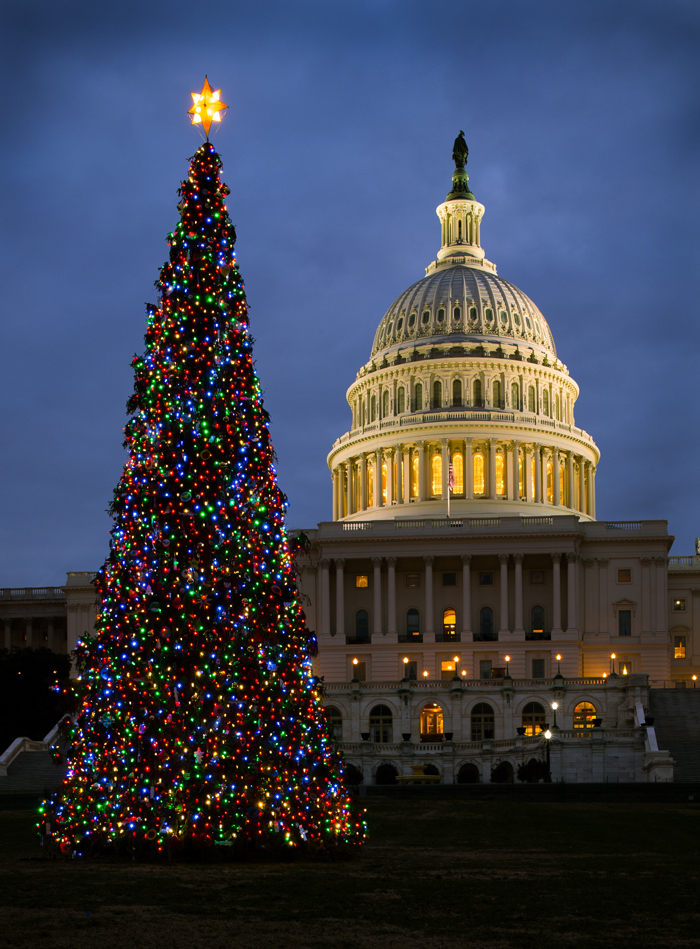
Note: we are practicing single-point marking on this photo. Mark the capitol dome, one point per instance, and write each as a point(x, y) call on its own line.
point(464, 408)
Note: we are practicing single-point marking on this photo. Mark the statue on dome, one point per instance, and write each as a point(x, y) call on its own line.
point(460, 152)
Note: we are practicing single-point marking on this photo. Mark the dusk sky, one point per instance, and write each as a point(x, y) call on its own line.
point(583, 124)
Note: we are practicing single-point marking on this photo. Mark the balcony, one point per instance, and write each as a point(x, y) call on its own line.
point(485, 637)
point(358, 640)
point(410, 637)
point(448, 636)
point(537, 634)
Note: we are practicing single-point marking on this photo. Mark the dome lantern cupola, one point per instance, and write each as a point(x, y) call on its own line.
point(460, 215)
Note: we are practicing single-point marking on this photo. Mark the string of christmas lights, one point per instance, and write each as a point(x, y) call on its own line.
point(200, 721)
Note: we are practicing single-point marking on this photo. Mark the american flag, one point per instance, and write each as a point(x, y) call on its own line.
point(451, 478)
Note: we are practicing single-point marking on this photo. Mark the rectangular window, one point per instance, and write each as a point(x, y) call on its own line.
point(625, 667)
point(486, 579)
point(485, 668)
point(679, 605)
point(359, 670)
point(411, 579)
point(538, 668)
point(410, 669)
point(679, 647)
point(448, 670)
point(624, 576)
point(537, 576)
point(361, 580)
point(449, 579)
point(624, 623)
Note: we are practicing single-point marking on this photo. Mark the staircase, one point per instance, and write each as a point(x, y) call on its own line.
point(29, 767)
point(677, 724)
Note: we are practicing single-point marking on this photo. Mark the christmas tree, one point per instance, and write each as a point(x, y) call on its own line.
point(199, 720)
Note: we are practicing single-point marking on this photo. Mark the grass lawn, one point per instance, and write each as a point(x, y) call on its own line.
point(435, 874)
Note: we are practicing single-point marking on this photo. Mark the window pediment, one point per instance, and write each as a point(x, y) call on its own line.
point(625, 605)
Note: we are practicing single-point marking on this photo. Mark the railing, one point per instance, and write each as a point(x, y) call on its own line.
point(444, 637)
point(358, 525)
point(534, 637)
point(31, 593)
point(623, 525)
point(409, 525)
point(485, 637)
point(537, 521)
point(444, 522)
point(445, 685)
point(485, 522)
point(358, 640)
point(410, 638)
point(684, 561)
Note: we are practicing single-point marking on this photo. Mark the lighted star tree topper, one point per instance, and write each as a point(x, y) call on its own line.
point(200, 722)
point(206, 107)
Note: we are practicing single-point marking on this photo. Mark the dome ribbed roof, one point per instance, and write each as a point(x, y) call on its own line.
point(463, 304)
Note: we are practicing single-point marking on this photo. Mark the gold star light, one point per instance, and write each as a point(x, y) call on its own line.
point(207, 107)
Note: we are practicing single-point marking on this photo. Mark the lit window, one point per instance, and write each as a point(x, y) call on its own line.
point(381, 723)
point(679, 605)
point(625, 668)
point(370, 486)
point(584, 715)
point(532, 479)
point(624, 576)
point(436, 469)
point(521, 476)
point(384, 481)
point(483, 720)
point(538, 669)
point(431, 723)
point(361, 580)
point(486, 579)
point(537, 618)
point(449, 624)
point(550, 483)
point(500, 474)
point(679, 647)
point(413, 624)
point(411, 579)
point(458, 473)
point(449, 579)
point(533, 717)
point(448, 670)
point(415, 476)
point(624, 622)
point(479, 482)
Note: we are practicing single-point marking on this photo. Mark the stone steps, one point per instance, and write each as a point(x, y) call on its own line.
point(677, 724)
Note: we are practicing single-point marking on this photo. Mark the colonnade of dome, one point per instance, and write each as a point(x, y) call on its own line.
point(463, 395)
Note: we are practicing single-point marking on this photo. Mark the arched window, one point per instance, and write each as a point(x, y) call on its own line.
point(370, 485)
point(483, 720)
point(562, 485)
point(533, 717)
point(436, 471)
point(458, 472)
point(488, 314)
point(478, 397)
point(413, 624)
point(412, 319)
point(457, 314)
point(449, 625)
point(335, 723)
point(441, 315)
point(459, 230)
point(381, 724)
point(401, 401)
point(385, 405)
point(431, 723)
point(399, 325)
point(437, 395)
point(514, 396)
point(468, 774)
point(456, 392)
point(502, 773)
point(550, 483)
point(486, 632)
point(362, 626)
point(426, 316)
point(531, 399)
point(584, 715)
point(532, 478)
point(521, 477)
point(374, 409)
point(545, 402)
point(557, 410)
point(500, 474)
point(386, 774)
point(384, 482)
point(472, 314)
point(496, 394)
point(479, 481)
point(418, 397)
point(415, 476)
point(537, 621)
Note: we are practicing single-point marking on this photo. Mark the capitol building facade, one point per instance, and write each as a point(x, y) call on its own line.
point(475, 621)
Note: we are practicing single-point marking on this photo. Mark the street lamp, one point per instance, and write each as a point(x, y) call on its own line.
point(507, 658)
point(695, 678)
point(425, 674)
point(548, 742)
point(354, 670)
point(555, 706)
point(612, 663)
point(558, 664)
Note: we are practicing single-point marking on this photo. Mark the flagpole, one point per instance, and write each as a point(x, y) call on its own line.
point(449, 485)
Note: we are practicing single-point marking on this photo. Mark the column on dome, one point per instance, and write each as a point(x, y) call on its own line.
point(466, 598)
point(378, 493)
point(391, 598)
point(363, 482)
point(445, 467)
point(527, 474)
point(339, 597)
point(514, 471)
point(570, 483)
point(519, 625)
point(581, 484)
point(421, 470)
point(406, 462)
point(493, 443)
point(334, 482)
point(348, 488)
point(538, 474)
point(556, 482)
point(556, 595)
point(389, 461)
point(469, 469)
point(398, 451)
point(429, 630)
point(504, 627)
point(592, 491)
point(377, 623)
